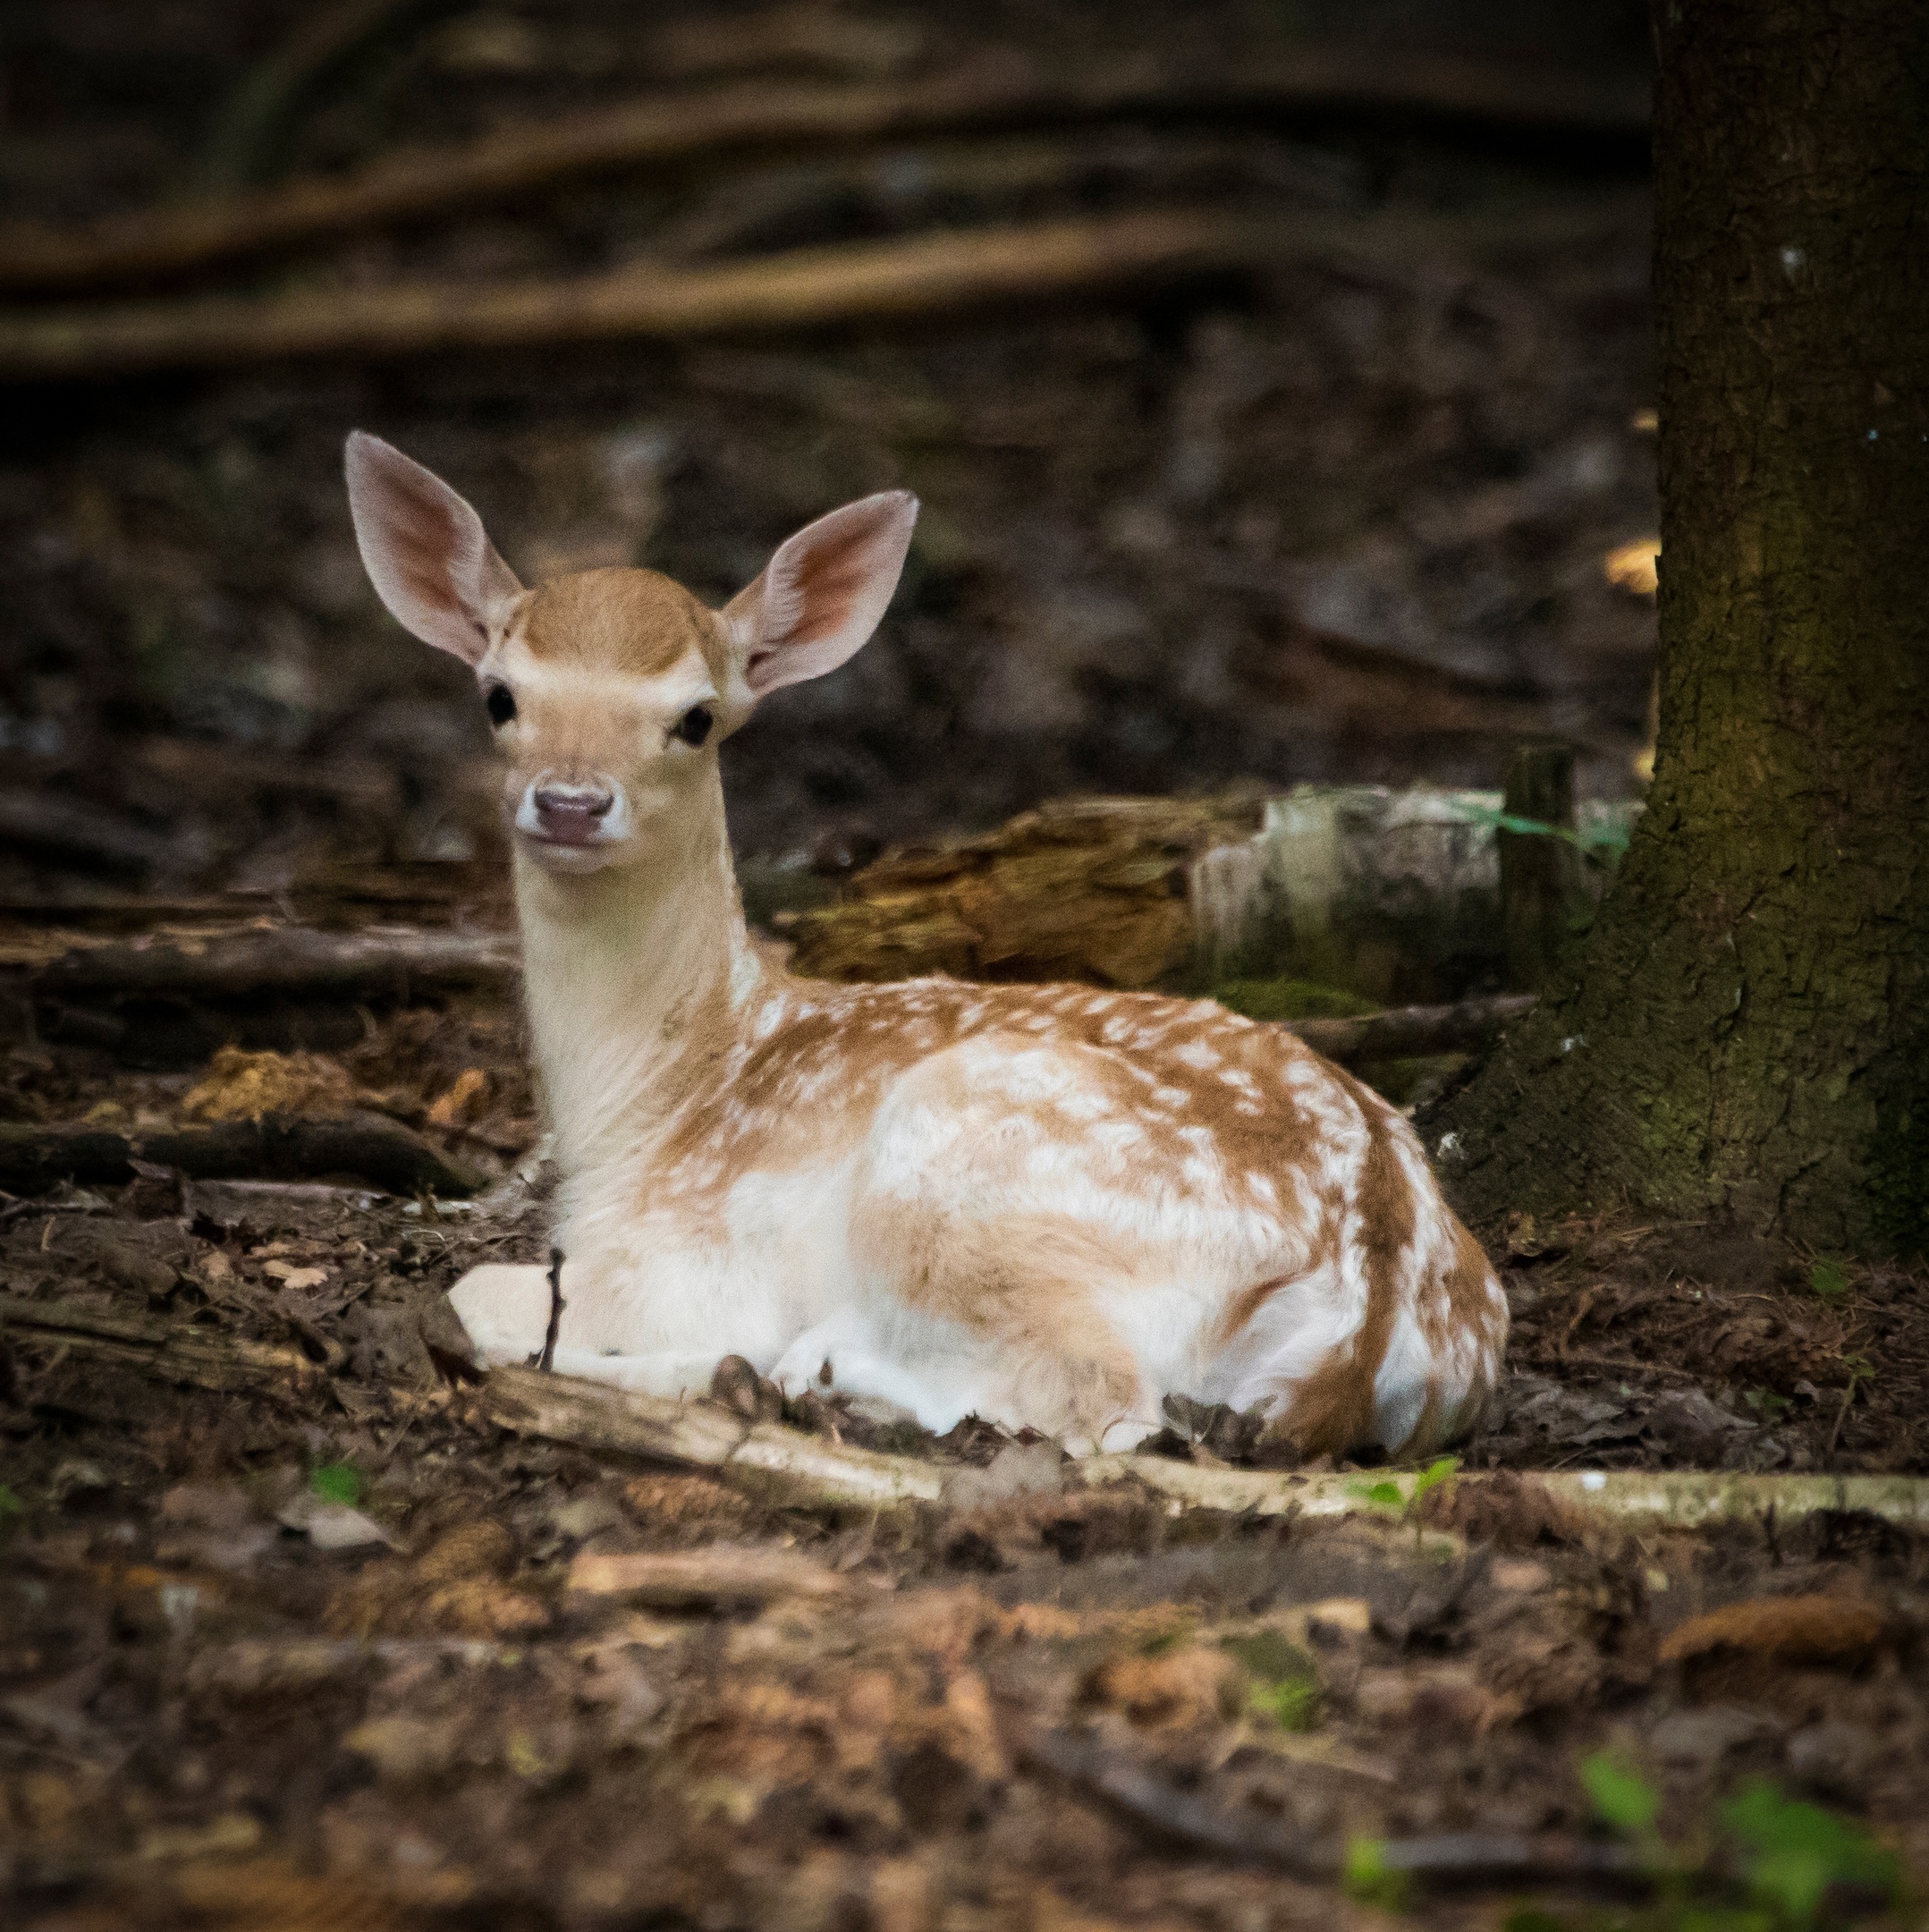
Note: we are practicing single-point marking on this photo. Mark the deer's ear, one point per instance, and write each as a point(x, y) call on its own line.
point(822, 592)
point(425, 550)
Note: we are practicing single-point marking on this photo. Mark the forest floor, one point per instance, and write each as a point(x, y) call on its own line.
point(323, 1648)
point(332, 1651)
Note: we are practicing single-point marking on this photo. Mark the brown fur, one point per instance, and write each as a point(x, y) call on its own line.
point(633, 620)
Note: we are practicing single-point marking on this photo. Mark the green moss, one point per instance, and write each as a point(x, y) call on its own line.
point(1290, 999)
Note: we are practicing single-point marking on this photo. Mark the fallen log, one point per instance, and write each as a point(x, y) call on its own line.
point(412, 184)
point(273, 1148)
point(254, 961)
point(175, 1352)
point(919, 275)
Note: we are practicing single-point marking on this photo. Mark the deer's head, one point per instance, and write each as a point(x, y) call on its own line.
point(609, 690)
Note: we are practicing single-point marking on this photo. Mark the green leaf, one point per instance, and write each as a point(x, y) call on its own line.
point(1368, 1877)
point(337, 1482)
point(1623, 1798)
point(1829, 1279)
point(1379, 1495)
point(1797, 1852)
point(1434, 1474)
point(10, 1503)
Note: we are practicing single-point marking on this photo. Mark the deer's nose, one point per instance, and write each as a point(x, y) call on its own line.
point(571, 815)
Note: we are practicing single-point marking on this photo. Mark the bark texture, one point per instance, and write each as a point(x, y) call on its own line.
point(1746, 1026)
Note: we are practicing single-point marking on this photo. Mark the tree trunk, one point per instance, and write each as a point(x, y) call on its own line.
point(1745, 1028)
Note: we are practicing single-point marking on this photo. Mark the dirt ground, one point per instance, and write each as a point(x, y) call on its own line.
point(209, 1717)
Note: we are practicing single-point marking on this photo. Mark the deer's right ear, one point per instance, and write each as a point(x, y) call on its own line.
point(425, 550)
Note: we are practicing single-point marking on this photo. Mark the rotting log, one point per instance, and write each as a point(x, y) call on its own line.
point(181, 1353)
point(272, 1148)
point(413, 183)
point(912, 277)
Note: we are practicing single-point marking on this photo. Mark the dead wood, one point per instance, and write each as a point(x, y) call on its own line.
point(412, 184)
point(168, 1351)
point(748, 1573)
point(273, 1148)
point(804, 288)
point(346, 965)
point(1410, 1032)
point(780, 1463)
point(785, 1464)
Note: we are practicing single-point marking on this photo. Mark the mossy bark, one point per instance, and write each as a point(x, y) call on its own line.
point(1746, 1026)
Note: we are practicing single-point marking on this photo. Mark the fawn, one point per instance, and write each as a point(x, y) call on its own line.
point(1050, 1205)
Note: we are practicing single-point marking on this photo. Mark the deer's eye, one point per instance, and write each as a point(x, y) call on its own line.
point(500, 704)
point(694, 726)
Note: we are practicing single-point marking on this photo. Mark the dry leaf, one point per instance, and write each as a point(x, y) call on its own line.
point(1788, 1630)
point(1633, 566)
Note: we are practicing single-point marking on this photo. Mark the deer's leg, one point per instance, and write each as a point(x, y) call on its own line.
point(505, 1309)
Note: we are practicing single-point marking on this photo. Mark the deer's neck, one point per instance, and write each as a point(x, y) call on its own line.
point(636, 977)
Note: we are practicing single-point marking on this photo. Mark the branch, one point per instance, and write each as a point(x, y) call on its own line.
point(1411, 1032)
point(290, 958)
point(276, 1147)
point(411, 185)
point(806, 1469)
point(920, 276)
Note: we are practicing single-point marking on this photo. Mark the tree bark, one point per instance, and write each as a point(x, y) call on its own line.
point(1745, 1028)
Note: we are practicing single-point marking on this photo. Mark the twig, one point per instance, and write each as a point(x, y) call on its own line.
point(917, 276)
point(411, 184)
point(556, 1305)
point(1455, 1857)
point(276, 1146)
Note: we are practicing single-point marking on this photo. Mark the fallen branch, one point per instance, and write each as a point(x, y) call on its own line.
point(778, 1463)
point(806, 1469)
point(272, 1148)
point(254, 961)
point(410, 185)
point(1191, 1819)
point(169, 1351)
point(1682, 1499)
point(1411, 1032)
point(930, 275)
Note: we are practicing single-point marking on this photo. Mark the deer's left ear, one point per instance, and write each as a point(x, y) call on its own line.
point(822, 593)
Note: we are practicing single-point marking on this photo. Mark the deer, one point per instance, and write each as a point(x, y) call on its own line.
point(1049, 1207)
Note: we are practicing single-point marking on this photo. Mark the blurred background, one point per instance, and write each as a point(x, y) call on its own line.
point(1345, 492)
